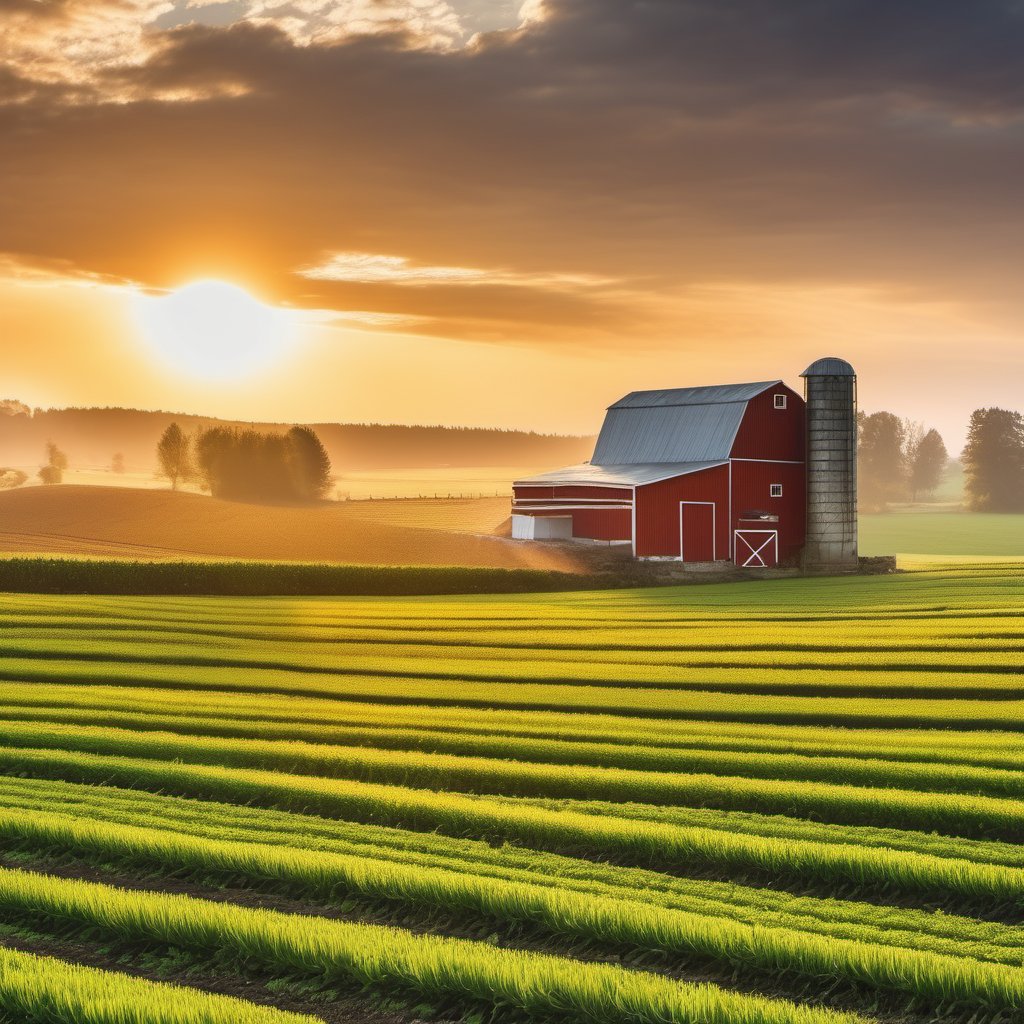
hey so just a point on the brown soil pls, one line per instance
(160, 525)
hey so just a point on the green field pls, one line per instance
(780, 802)
(942, 533)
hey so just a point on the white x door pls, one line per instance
(757, 549)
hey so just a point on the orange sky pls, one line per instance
(486, 214)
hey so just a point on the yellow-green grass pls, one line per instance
(791, 849)
(340, 750)
(907, 951)
(890, 799)
(546, 986)
(628, 837)
(230, 713)
(170, 831)
(697, 772)
(941, 533)
(43, 990)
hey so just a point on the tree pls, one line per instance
(310, 464)
(213, 449)
(56, 463)
(55, 457)
(246, 465)
(913, 435)
(173, 456)
(994, 461)
(881, 467)
(12, 407)
(927, 459)
(10, 478)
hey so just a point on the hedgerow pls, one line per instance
(258, 579)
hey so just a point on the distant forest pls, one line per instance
(92, 437)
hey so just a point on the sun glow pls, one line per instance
(215, 330)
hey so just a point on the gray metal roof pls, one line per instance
(675, 425)
(829, 366)
(633, 475)
(714, 394)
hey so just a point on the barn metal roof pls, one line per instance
(714, 394)
(830, 366)
(675, 425)
(632, 475)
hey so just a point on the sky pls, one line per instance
(508, 214)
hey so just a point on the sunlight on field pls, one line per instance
(159, 524)
(442, 482)
(942, 533)
(778, 781)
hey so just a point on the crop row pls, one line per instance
(936, 968)
(40, 990)
(641, 769)
(908, 712)
(266, 826)
(629, 840)
(251, 824)
(712, 758)
(274, 716)
(345, 952)
(653, 639)
(621, 651)
(774, 826)
(976, 672)
(952, 813)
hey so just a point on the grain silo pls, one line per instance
(830, 390)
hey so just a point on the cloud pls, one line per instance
(370, 318)
(26, 270)
(377, 269)
(569, 180)
(81, 42)
(72, 41)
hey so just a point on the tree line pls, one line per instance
(96, 433)
(247, 464)
(993, 461)
(898, 460)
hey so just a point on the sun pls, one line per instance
(214, 330)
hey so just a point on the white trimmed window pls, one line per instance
(780, 401)
(776, 490)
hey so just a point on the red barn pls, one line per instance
(694, 474)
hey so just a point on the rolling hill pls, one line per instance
(161, 524)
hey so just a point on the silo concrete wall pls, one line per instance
(831, 544)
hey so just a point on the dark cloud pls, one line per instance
(656, 143)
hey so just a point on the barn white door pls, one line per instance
(697, 528)
(757, 549)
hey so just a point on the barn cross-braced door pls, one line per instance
(757, 549)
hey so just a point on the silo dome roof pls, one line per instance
(829, 366)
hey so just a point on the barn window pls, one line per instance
(780, 401)
(776, 491)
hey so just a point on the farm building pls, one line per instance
(750, 473)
